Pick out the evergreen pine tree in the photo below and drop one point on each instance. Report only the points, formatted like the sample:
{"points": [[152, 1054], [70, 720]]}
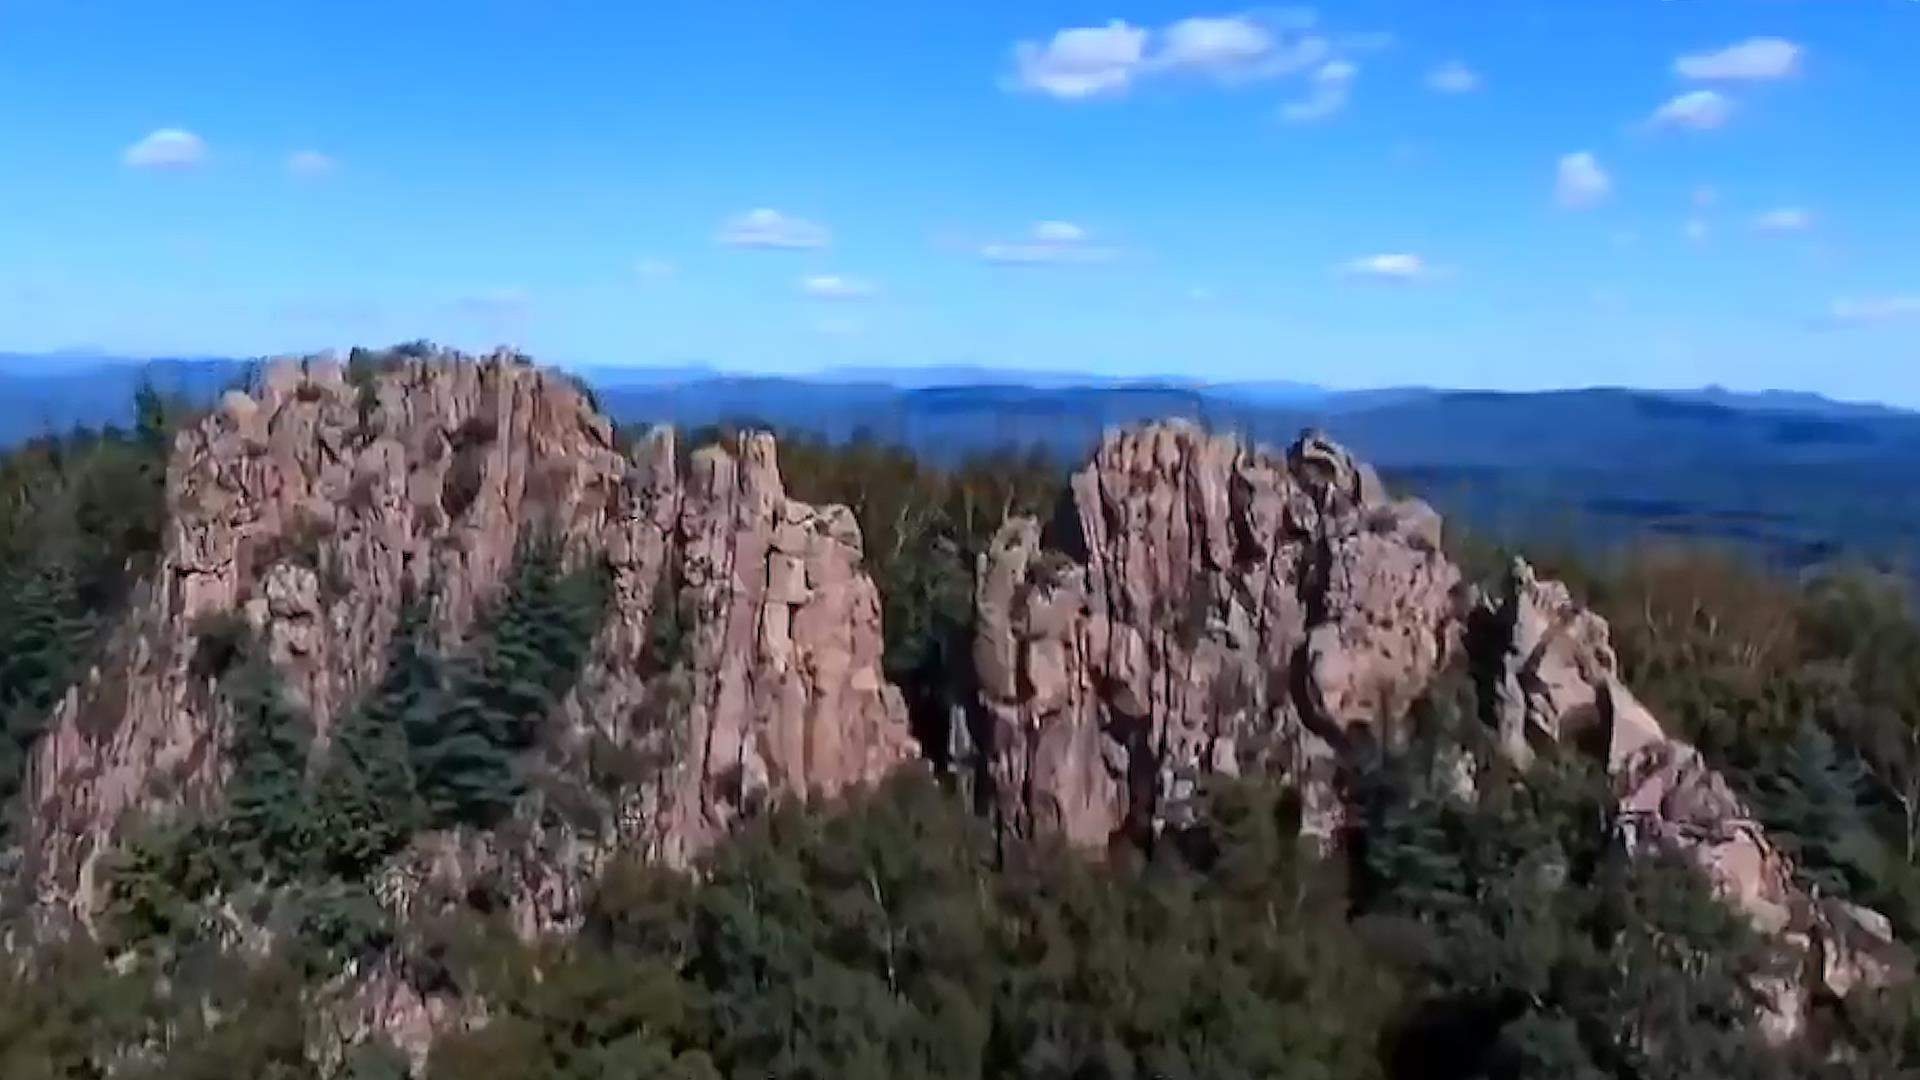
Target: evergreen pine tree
{"points": [[499, 695], [45, 639], [365, 805], [266, 813], [1812, 806]]}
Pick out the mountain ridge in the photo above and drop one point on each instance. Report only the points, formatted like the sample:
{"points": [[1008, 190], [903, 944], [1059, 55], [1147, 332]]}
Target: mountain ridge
{"points": [[428, 634]]}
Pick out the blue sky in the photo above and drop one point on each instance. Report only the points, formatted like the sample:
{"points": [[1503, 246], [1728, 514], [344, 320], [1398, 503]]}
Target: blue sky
{"points": [[1509, 193]]}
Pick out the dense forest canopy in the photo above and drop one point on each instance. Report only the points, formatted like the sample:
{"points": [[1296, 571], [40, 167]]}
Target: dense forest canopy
{"points": [[1496, 932]]}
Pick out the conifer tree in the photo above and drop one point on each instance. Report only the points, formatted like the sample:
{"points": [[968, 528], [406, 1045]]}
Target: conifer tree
{"points": [[265, 818], [45, 639], [365, 805]]}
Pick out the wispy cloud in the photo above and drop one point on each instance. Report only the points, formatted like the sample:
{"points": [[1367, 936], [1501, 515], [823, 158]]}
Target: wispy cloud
{"points": [[1047, 243], [1241, 47], [1327, 93], [1698, 110], [311, 164], [1785, 219], [1581, 182], [1759, 58], [1453, 77], [766, 228], [1081, 62], [1394, 266], [1869, 311], [167, 148], [1084, 62], [836, 287]]}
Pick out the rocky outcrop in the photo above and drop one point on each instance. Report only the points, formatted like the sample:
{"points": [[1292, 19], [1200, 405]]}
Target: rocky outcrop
{"points": [[1200, 607], [309, 506], [1211, 608], [1215, 608], [313, 503], [787, 694], [1557, 679]]}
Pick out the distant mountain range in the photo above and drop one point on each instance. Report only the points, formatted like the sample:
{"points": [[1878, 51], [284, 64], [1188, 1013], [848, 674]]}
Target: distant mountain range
{"points": [[1796, 475]]}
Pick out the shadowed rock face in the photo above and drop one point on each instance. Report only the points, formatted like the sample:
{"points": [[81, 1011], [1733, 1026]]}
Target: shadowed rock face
{"points": [[313, 504], [1233, 610]]}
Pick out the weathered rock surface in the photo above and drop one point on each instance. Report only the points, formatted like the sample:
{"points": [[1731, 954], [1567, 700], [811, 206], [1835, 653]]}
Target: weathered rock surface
{"points": [[1232, 609], [1209, 608], [311, 505], [308, 507], [1558, 679], [784, 645], [1221, 609]]}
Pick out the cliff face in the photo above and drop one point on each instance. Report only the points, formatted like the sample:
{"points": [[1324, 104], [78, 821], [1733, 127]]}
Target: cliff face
{"points": [[1233, 610], [1557, 679], [312, 506], [1207, 608], [1222, 609]]}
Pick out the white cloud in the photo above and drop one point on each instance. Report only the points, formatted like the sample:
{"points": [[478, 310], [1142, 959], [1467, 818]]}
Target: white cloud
{"points": [[1784, 219], [1093, 61], [1059, 232], [1241, 47], [1047, 243], [167, 148], [1754, 58], [1396, 266], [1581, 182], [835, 287], [311, 164], [655, 269], [765, 228], [1327, 93], [1081, 62], [1872, 310], [1453, 77], [1228, 41], [1700, 110], [1696, 231]]}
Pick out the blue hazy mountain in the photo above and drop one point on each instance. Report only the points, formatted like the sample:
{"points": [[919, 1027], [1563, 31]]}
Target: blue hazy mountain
{"points": [[1797, 476], [40, 393]]}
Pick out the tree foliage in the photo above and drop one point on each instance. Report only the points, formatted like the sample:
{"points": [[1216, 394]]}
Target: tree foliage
{"points": [[1480, 931]]}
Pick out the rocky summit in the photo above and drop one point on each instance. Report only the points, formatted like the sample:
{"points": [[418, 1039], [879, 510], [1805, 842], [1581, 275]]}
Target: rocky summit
{"points": [[1199, 608], [1221, 609], [312, 505]]}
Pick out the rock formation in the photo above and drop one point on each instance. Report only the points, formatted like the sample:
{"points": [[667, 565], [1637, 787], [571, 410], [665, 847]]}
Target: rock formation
{"points": [[1202, 606], [1215, 609], [1228, 609], [1558, 679], [313, 503]]}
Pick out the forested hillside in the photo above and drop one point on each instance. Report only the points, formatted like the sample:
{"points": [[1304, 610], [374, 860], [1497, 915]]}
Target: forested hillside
{"points": [[1472, 915]]}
